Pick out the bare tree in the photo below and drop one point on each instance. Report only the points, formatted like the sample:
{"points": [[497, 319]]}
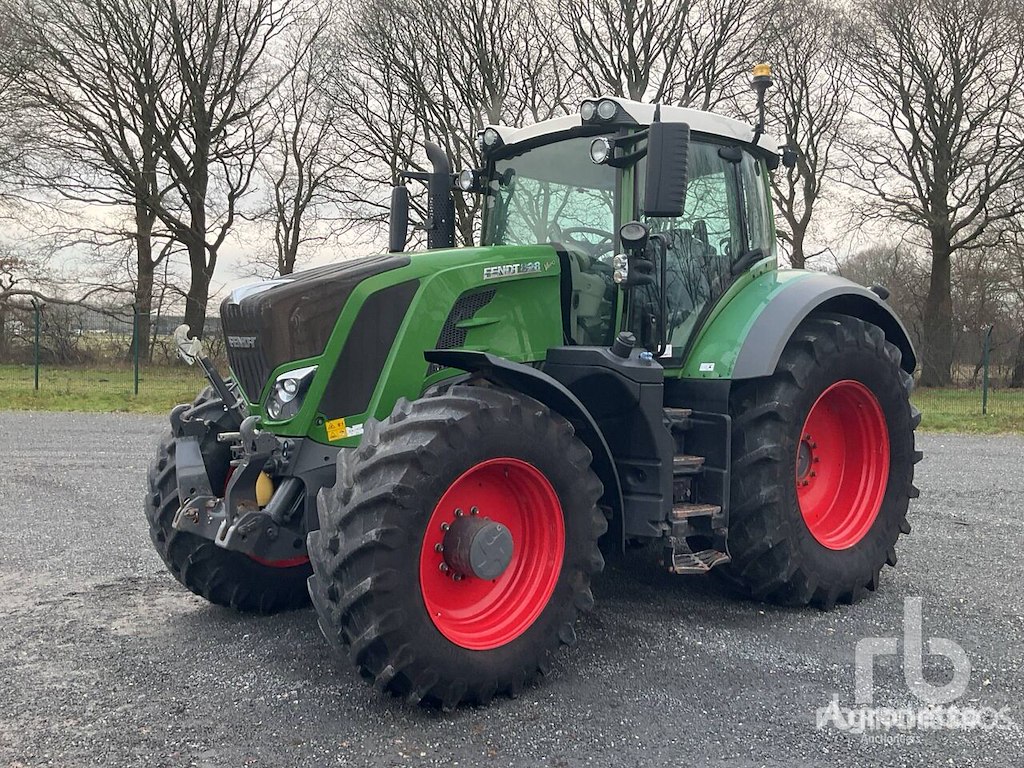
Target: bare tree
{"points": [[13, 137], [940, 85], [94, 70], [305, 164], [420, 70], [212, 120], [1012, 271], [808, 47], [687, 52]]}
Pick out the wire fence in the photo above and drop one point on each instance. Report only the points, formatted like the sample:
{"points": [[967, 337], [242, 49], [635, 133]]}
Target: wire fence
{"points": [[112, 358], [986, 379], [94, 358]]}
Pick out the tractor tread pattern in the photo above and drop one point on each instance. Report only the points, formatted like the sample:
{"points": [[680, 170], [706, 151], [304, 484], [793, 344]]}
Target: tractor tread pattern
{"points": [[766, 564], [380, 478]]}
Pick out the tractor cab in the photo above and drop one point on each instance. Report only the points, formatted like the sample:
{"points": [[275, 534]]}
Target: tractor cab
{"points": [[575, 182]]}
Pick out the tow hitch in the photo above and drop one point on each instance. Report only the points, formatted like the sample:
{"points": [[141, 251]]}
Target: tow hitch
{"points": [[235, 521]]}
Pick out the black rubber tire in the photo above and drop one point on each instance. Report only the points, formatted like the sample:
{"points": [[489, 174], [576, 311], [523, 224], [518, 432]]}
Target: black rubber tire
{"points": [[774, 555], [365, 584], [221, 576]]}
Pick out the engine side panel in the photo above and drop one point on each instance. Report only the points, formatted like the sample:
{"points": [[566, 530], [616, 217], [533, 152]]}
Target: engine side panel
{"points": [[373, 358]]}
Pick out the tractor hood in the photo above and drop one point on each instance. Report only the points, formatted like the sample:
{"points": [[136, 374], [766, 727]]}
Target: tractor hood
{"points": [[290, 318]]}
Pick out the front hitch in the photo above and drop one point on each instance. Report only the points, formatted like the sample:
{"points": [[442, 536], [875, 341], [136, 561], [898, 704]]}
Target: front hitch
{"points": [[190, 350], [236, 521]]}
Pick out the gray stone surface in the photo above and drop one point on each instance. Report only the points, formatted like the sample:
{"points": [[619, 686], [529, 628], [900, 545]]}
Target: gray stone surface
{"points": [[105, 660]]}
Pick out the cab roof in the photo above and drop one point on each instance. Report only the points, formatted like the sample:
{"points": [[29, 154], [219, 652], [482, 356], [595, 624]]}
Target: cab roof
{"points": [[641, 113]]}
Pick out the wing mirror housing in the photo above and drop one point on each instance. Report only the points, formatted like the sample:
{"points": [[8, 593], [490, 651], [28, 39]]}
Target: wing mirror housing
{"points": [[668, 148]]}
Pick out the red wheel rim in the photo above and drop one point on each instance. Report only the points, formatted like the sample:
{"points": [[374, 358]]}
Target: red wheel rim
{"points": [[479, 614], [842, 464]]}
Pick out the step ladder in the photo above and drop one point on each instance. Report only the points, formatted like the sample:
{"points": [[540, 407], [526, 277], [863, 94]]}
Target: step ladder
{"points": [[690, 521]]}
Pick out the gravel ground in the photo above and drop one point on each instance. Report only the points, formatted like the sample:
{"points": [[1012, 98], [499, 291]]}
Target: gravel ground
{"points": [[106, 661]]}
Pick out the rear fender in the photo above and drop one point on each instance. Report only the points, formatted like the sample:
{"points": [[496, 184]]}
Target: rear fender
{"points": [[745, 337], [763, 346]]}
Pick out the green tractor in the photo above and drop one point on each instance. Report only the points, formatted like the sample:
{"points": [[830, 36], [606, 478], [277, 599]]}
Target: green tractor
{"points": [[433, 446]]}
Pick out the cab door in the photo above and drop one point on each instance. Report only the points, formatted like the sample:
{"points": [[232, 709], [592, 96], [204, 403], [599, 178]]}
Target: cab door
{"points": [[724, 228]]}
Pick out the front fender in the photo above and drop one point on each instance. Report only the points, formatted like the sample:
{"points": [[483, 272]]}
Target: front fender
{"points": [[547, 390]]}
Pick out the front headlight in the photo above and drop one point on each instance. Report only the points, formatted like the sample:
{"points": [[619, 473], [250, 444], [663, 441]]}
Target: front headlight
{"points": [[285, 399]]}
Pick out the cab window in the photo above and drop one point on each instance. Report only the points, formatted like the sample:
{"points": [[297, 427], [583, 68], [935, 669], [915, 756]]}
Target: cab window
{"points": [[717, 227]]}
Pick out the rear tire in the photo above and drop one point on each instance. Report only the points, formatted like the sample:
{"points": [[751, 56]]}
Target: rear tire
{"points": [[221, 576], [814, 517], [378, 584]]}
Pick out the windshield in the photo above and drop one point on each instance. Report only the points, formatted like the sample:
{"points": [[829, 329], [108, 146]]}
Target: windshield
{"points": [[551, 193]]}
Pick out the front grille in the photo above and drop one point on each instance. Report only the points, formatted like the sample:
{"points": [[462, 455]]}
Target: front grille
{"points": [[248, 363]]}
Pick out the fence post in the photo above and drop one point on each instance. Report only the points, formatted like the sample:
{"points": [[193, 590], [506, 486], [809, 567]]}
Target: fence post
{"points": [[984, 376], [37, 309], [135, 345]]}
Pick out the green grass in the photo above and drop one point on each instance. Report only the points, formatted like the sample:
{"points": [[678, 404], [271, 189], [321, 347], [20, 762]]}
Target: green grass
{"points": [[959, 410], [109, 389], [103, 389]]}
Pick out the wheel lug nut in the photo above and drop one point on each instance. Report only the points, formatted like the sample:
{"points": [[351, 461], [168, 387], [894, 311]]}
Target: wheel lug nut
{"points": [[813, 473], [456, 577], [474, 511], [444, 567], [439, 547], [459, 513], [445, 526]]}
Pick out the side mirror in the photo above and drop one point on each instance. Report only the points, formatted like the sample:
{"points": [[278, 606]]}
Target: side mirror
{"points": [[398, 226], [668, 147]]}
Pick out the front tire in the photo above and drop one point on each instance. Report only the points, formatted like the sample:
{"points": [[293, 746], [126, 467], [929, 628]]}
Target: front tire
{"points": [[221, 576], [823, 467], [414, 616]]}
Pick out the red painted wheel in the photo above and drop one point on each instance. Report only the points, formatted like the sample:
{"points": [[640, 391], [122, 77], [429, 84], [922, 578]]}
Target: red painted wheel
{"points": [[522, 512], [842, 465]]}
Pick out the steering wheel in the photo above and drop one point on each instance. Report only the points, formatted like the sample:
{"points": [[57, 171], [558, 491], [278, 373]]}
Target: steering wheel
{"points": [[606, 244], [725, 247]]}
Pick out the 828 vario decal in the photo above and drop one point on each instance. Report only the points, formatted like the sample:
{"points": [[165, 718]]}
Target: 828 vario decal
{"points": [[508, 270]]}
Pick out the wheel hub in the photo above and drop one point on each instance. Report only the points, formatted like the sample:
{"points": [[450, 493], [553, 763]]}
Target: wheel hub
{"points": [[492, 553], [805, 459], [477, 546]]}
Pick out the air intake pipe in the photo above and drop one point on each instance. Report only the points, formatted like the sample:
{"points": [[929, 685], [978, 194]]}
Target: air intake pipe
{"points": [[440, 202]]}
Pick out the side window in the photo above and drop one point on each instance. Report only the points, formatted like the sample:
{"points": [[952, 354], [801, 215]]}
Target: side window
{"points": [[701, 243], [759, 226]]}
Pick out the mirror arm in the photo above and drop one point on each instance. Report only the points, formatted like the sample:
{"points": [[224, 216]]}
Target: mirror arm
{"points": [[660, 243], [627, 160]]}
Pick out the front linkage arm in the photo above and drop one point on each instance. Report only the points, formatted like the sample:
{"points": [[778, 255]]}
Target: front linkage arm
{"points": [[236, 521]]}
